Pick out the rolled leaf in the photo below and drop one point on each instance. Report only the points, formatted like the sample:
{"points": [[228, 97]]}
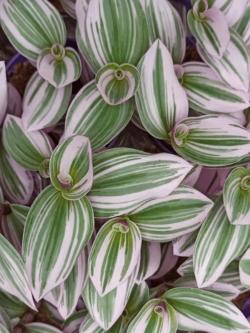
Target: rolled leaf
{"points": [[174, 215], [161, 101], [236, 196], [184, 245], [201, 310], [217, 245], [43, 104], [91, 116], [30, 149], [69, 7], [114, 255], [3, 91], [71, 170], [32, 27], [55, 232], [150, 260], [90, 326], [41, 328], [211, 140], [244, 268], [139, 296]]}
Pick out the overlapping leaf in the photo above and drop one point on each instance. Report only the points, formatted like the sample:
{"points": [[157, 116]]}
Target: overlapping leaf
{"points": [[243, 24], [90, 326], [244, 267], [150, 260], [69, 7], [37, 327], [139, 296], [3, 91], [184, 245], [12, 305]]}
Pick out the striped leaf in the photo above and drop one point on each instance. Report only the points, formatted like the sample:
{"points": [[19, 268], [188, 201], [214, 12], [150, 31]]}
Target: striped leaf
{"points": [[55, 232], [184, 245], [3, 91], [217, 245], [43, 104], [14, 101], [41, 328], [244, 268], [233, 68], [211, 140], [12, 305], [150, 260], [73, 323], [160, 99], [71, 170], [90, 326], [69, 7], [139, 296], [114, 255], [243, 24], [59, 66], [13, 278], [118, 38], [30, 149], [4, 318], [165, 24], [115, 191], [174, 215], [3, 328], [236, 196], [117, 83], [91, 116], [54, 296], [156, 316], [202, 310], [207, 94], [32, 27]]}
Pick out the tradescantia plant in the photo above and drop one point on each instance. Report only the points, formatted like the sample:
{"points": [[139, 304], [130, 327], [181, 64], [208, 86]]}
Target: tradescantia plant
{"points": [[124, 167]]}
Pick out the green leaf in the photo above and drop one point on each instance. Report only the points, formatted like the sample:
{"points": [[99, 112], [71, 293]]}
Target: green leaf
{"points": [[117, 83], [156, 316], [32, 27], [217, 245], [114, 255], [4, 319], [43, 104], [41, 328], [115, 191], [161, 101], [90, 326], [211, 140], [174, 215], [70, 167], [55, 232], [73, 323], [3, 91], [12, 305], [244, 267], [139, 296], [236, 196], [91, 116], [202, 310], [150, 260], [243, 24]]}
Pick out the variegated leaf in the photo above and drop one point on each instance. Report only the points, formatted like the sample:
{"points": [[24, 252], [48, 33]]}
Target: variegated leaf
{"points": [[70, 167], [243, 24], [91, 116], [193, 176], [97, 40], [13, 278], [12, 305], [32, 26], [234, 66], [59, 66], [202, 310], [150, 260], [55, 232], [217, 245], [156, 316], [43, 104], [117, 83], [139, 296], [184, 245], [165, 23], [207, 94], [37, 327], [236, 196], [186, 268], [32, 150], [73, 323], [4, 329], [4, 318], [114, 254], [211, 140], [69, 7], [161, 101], [3, 91], [54, 296], [90, 326], [174, 215], [14, 101], [244, 268]]}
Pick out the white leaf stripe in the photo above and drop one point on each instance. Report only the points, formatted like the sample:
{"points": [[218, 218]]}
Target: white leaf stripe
{"points": [[244, 268], [3, 91], [243, 25], [184, 245], [37, 327], [69, 7], [232, 9], [139, 296], [3, 329], [50, 245], [43, 105], [160, 99], [90, 326], [150, 260]]}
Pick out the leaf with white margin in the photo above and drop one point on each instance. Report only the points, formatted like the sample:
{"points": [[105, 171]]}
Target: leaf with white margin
{"points": [[37, 327], [69, 7], [234, 66], [211, 140], [207, 93], [174, 215], [43, 104], [161, 101], [59, 66], [139, 296], [13, 278], [91, 116], [244, 268], [114, 254], [32, 26], [117, 83], [236, 196], [70, 167], [3, 91], [209, 26], [150, 260], [243, 24], [156, 316], [98, 33], [184, 245], [165, 24], [55, 232], [217, 245], [90, 326], [202, 310], [31, 150]]}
